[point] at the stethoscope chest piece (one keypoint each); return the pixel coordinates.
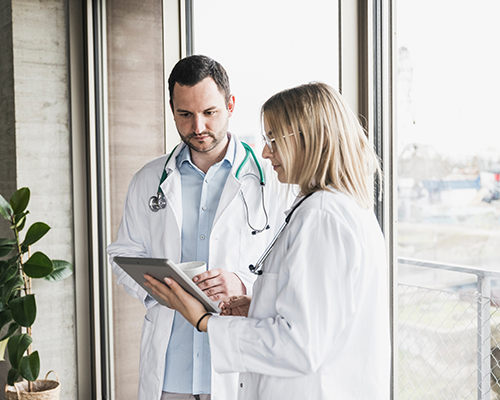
(157, 202)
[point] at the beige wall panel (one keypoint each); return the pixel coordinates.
(136, 135)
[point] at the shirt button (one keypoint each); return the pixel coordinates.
(241, 385)
(204, 208)
(202, 237)
(206, 180)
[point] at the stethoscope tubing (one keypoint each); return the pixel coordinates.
(158, 202)
(257, 267)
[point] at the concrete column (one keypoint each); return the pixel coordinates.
(35, 152)
(7, 137)
(7, 118)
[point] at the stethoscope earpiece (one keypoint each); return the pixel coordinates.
(254, 232)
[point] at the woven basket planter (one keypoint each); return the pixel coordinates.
(43, 389)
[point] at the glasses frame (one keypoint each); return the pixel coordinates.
(269, 141)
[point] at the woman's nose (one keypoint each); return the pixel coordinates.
(266, 153)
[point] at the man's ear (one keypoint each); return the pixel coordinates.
(230, 104)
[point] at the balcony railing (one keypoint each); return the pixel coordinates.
(449, 339)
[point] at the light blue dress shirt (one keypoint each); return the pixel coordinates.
(187, 365)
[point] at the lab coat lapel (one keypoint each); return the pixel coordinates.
(172, 188)
(231, 189)
(233, 185)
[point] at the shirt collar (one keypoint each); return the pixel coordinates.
(185, 155)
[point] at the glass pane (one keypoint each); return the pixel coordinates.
(447, 131)
(136, 136)
(267, 46)
(448, 194)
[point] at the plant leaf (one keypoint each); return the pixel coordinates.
(10, 287)
(3, 345)
(5, 208)
(20, 220)
(13, 376)
(12, 328)
(30, 366)
(6, 246)
(19, 223)
(62, 269)
(20, 199)
(8, 273)
(35, 233)
(23, 309)
(6, 249)
(38, 265)
(5, 241)
(5, 318)
(17, 346)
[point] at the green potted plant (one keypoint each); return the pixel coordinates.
(18, 266)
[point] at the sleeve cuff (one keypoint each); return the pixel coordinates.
(224, 344)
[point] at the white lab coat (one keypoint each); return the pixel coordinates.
(318, 325)
(143, 233)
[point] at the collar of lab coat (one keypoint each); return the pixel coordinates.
(299, 197)
(231, 188)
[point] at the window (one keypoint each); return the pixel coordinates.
(266, 47)
(446, 87)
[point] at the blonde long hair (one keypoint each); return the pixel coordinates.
(328, 148)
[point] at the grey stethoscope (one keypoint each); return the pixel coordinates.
(257, 267)
(158, 202)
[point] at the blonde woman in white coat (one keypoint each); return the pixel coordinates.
(318, 321)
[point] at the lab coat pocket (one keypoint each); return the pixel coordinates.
(264, 296)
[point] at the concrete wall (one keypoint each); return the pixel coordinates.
(35, 130)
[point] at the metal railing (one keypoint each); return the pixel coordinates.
(449, 339)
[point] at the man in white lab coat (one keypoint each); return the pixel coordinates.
(212, 207)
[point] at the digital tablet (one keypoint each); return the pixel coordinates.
(161, 268)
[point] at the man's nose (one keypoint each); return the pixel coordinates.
(198, 124)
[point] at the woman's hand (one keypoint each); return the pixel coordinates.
(178, 299)
(236, 305)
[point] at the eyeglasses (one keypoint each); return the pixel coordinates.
(269, 141)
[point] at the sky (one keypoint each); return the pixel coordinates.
(448, 81)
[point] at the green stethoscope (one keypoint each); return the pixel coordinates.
(158, 202)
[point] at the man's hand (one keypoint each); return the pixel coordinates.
(236, 305)
(220, 284)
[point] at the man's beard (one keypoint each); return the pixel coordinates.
(191, 145)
